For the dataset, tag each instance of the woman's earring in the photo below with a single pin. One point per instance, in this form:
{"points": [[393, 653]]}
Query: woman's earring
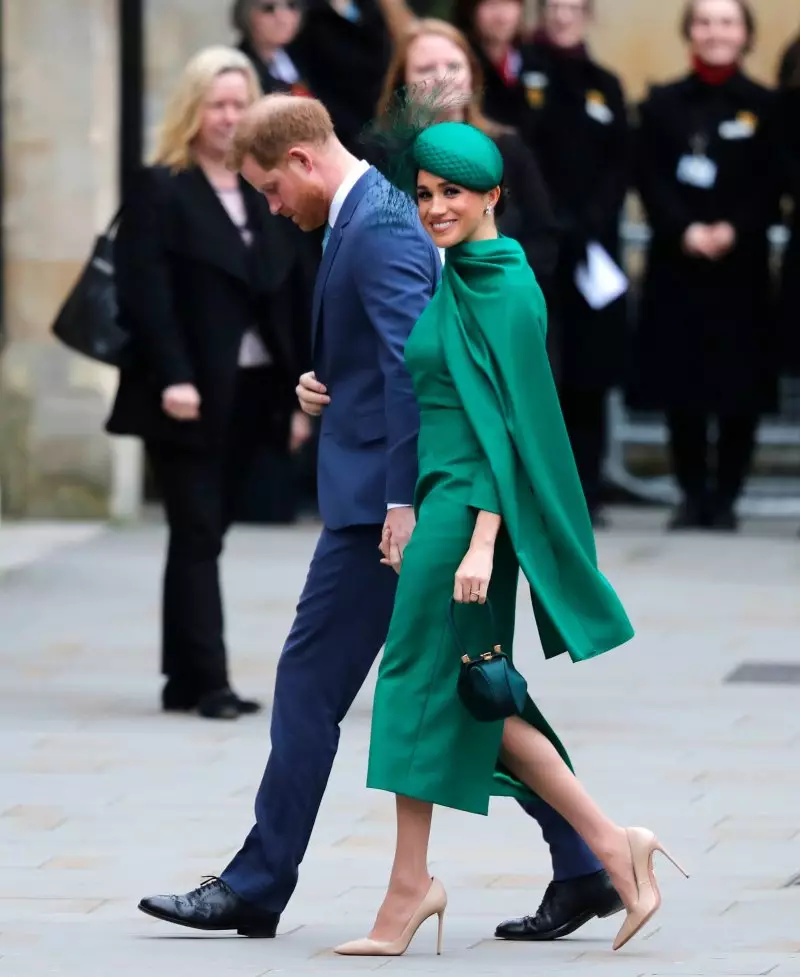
{"points": [[489, 210]]}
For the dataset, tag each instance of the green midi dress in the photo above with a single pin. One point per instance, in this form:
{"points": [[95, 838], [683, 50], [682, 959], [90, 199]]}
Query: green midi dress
{"points": [[491, 438]]}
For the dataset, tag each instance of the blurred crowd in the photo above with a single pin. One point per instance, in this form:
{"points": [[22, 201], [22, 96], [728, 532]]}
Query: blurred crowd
{"points": [[216, 291]]}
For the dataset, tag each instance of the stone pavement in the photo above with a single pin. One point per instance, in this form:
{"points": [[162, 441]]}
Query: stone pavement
{"points": [[103, 799]]}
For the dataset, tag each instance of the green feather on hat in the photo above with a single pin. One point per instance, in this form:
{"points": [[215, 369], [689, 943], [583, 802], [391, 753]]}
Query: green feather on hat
{"points": [[408, 138]]}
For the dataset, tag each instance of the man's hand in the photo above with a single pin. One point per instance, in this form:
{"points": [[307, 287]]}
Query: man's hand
{"points": [[181, 401], [299, 432], [397, 531], [312, 394]]}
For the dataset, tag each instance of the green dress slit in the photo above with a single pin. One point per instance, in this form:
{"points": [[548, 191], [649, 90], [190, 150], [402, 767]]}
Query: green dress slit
{"points": [[491, 438]]}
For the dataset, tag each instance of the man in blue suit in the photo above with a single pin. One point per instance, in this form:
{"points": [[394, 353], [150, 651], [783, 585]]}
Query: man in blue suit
{"points": [[379, 270]]}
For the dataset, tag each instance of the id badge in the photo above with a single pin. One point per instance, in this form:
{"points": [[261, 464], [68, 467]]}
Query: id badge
{"points": [[697, 171]]}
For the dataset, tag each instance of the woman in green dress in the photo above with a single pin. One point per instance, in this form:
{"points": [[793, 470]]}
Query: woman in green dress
{"points": [[498, 491]]}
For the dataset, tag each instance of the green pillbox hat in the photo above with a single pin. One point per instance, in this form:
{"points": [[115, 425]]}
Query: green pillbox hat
{"points": [[460, 153]]}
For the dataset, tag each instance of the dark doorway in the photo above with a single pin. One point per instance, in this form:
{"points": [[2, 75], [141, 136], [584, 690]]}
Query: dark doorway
{"points": [[131, 115]]}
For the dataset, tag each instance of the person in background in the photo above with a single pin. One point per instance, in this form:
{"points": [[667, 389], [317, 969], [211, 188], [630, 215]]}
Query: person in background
{"points": [[572, 113], [268, 31], [789, 65], [434, 51], [708, 180], [336, 50], [216, 300], [789, 287]]}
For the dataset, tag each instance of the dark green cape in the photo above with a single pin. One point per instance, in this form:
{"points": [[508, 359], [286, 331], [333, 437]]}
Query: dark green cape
{"points": [[494, 322]]}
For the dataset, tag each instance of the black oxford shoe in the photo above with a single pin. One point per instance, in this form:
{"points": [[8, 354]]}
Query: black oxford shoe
{"points": [[565, 908], [214, 906]]}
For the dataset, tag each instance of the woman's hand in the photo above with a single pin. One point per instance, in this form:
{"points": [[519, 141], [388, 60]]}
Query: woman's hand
{"points": [[299, 432], [474, 574], [182, 402]]}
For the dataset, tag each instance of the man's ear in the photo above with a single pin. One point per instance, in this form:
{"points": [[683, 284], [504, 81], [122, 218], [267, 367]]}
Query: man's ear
{"points": [[301, 156]]}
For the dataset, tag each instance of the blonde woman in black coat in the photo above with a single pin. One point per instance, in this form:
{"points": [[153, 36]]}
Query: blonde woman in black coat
{"points": [[212, 289]]}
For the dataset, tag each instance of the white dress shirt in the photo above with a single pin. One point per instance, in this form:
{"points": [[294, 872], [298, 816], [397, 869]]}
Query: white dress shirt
{"points": [[351, 179]]}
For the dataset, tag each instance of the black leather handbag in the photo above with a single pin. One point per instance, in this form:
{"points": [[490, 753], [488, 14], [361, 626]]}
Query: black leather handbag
{"points": [[87, 321], [489, 686]]}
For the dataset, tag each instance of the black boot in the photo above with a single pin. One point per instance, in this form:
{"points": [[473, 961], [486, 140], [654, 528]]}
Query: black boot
{"points": [[723, 514], [222, 704], [565, 908], [725, 519], [692, 513], [213, 906]]}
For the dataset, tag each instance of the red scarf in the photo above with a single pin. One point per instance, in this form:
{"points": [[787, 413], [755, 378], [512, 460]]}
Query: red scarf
{"points": [[713, 74], [505, 68]]}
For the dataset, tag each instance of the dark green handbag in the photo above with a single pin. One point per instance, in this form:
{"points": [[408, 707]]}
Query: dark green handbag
{"points": [[489, 686]]}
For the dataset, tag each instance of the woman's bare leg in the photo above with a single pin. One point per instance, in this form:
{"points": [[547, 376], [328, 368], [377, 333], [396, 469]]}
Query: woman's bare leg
{"points": [[533, 759], [410, 878]]}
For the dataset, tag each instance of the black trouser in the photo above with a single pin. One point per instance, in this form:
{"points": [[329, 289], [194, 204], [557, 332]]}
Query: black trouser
{"points": [[199, 490], [585, 416], [701, 482]]}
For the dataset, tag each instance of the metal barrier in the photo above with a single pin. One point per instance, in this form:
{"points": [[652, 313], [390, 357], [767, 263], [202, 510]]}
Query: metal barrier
{"points": [[769, 496]]}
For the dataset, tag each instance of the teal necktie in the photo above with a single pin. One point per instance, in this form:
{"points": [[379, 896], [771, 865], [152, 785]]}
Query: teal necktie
{"points": [[326, 237]]}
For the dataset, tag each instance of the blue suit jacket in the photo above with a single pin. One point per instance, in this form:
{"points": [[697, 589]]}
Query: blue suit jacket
{"points": [[378, 273]]}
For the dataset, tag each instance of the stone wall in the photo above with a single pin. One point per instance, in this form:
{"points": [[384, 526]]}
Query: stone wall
{"points": [[175, 30], [60, 63]]}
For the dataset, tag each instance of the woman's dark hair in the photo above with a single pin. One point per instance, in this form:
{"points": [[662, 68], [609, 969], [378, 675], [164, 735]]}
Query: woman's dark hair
{"points": [[502, 200], [748, 14], [464, 16], [240, 16]]}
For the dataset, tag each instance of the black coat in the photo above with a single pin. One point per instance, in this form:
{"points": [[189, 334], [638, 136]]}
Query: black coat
{"points": [[705, 333], [789, 301], [345, 63], [270, 84], [189, 288], [528, 214], [789, 66], [572, 113]]}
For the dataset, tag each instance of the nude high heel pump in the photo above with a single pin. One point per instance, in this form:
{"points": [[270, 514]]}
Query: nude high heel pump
{"points": [[434, 904], [643, 845]]}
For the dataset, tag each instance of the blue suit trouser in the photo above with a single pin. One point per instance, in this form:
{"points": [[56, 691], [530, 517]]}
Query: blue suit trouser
{"points": [[341, 624]]}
